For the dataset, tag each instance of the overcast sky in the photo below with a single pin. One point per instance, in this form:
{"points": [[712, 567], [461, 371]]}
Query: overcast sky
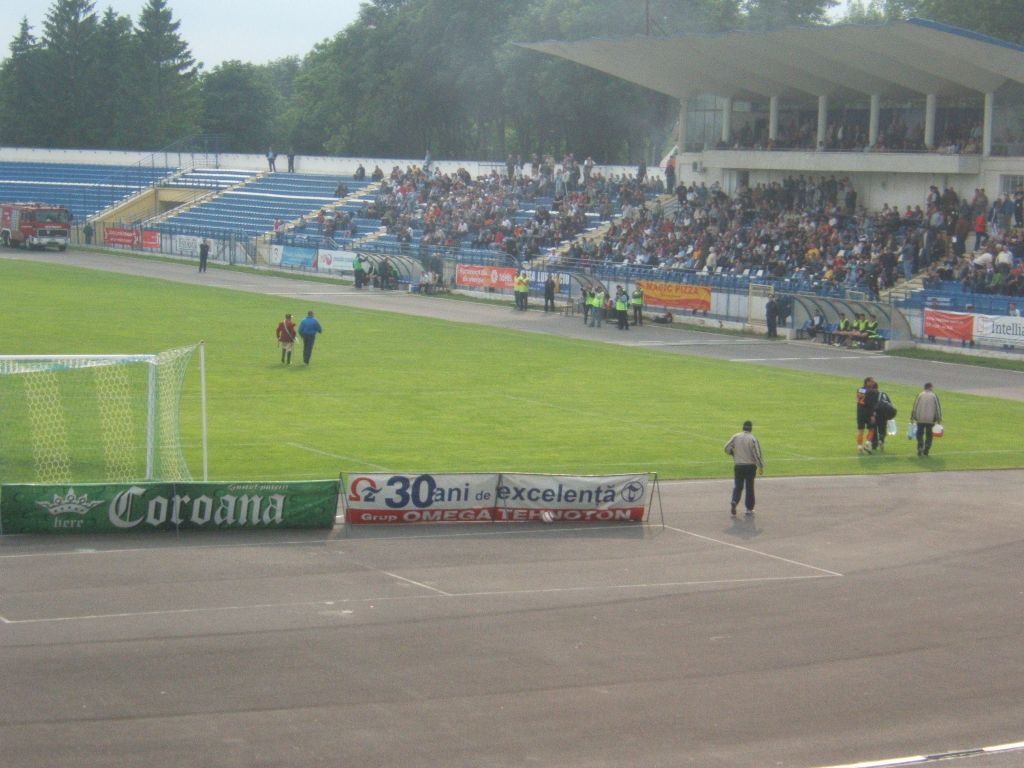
{"points": [[218, 30]]}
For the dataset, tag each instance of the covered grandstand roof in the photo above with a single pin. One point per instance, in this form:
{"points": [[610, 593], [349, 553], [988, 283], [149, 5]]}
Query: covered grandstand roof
{"points": [[895, 60]]}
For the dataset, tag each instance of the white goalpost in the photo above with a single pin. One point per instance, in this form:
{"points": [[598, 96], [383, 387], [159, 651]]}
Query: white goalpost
{"points": [[96, 418]]}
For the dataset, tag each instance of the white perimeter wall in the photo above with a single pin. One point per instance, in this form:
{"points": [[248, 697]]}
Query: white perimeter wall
{"points": [[342, 166]]}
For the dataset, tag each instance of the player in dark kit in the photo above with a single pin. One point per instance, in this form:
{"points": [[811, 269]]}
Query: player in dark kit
{"points": [[867, 400]]}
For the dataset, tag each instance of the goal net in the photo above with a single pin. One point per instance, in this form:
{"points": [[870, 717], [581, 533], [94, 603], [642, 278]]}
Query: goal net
{"points": [[94, 418]]}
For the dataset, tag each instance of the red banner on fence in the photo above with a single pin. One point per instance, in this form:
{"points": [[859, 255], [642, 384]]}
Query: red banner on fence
{"points": [[948, 325], [676, 295], [123, 237], [474, 276], [132, 238]]}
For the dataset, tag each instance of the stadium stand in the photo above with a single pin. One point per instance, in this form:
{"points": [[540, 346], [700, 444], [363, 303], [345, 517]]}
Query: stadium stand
{"points": [[801, 235], [259, 205], [210, 178], [83, 189], [494, 217]]}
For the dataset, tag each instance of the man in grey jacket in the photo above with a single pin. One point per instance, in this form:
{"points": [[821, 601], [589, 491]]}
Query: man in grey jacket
{"points": [[927, 412], [746, 454]]}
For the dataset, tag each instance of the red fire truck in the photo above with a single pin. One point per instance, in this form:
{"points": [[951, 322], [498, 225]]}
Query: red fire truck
{"points": [[34, 225]]}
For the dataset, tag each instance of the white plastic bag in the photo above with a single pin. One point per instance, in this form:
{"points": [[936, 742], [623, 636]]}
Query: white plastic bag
{"points": [[912, 430], [891, 427], [938, 431]]}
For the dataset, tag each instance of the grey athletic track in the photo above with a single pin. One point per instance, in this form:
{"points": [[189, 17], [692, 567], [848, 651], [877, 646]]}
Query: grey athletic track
{"points": [[852, 619]]}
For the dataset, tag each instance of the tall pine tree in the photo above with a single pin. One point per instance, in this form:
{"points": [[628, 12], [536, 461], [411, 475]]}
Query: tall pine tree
{"points": [[18, 90], [69, 72], [113, 100], [166, 93]]}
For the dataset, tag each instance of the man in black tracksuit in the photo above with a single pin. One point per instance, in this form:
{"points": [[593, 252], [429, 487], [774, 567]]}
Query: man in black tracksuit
{"points": [[746, 454]]}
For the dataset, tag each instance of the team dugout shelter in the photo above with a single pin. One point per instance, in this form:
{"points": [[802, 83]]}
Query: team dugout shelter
{"points": [[895, 107]]}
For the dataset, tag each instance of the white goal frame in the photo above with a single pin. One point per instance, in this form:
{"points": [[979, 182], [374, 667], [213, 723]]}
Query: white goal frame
{"points": [[88, 361]]}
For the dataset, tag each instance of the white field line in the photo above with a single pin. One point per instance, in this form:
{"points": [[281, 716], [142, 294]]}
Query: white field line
{"points": [[651, 585], [777, 359], [311, 449], [885, 763], [537, 531], [414, 583], [936, 758], [435, 595], [753, 551], [1014, 747]]}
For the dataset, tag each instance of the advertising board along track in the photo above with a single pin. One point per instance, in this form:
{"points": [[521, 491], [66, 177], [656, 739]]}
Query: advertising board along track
{"points": [[497, 497]]}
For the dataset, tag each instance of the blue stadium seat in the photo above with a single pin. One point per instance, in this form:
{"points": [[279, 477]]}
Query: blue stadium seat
{"points": [[82, 188]]}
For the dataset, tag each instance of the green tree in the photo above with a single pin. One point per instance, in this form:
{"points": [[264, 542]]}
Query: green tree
{"points": [[776, 14], [166, 79], [1003, 19], [68, 74], [238, 102], [875, 11], [281, 76], [112, 100], [19, 90]]}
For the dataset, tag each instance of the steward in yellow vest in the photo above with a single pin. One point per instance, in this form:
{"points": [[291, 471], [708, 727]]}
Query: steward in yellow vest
{"points": [[597, 308], [638, 305], [622, 309]]}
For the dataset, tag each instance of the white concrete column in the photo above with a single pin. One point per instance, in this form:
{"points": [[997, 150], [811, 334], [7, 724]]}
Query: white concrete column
{"points": [[822, 120], [873, 115], [681, 128], [929, 120], [773, 117], [986, 129], [727, 121]]}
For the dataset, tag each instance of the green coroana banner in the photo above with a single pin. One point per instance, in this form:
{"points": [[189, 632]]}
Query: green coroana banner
{"points": [[102, 508]]}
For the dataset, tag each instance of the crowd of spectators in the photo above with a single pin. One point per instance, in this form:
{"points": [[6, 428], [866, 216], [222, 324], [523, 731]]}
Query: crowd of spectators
{"points": [[427, 209], [808, 231], [980, 244], [812, 233], [850, 134]]}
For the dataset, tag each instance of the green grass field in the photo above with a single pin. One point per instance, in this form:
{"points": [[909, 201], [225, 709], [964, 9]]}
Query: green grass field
{"points": [[390, 392]]}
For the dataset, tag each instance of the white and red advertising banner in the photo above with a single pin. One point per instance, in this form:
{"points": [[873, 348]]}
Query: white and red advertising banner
{"points": [[476, 276], [999, 329], [124, 237], [967, 326], [132, 238], [116, 236], [948, 325], [335, 261], [495, 498]]}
